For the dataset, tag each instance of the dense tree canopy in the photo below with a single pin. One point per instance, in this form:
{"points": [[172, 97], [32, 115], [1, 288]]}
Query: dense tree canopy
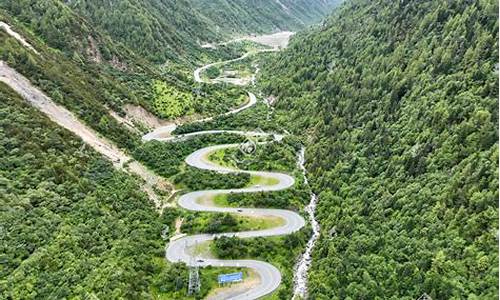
{"points": [[400, 105], [71, 225]]}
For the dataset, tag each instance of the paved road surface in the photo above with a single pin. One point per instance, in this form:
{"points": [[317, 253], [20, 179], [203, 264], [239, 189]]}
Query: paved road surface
{"points": [[178, 250], [164, 133]]}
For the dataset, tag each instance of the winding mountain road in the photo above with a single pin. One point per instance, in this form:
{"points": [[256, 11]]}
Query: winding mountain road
{"points": [[179, 250], [164, 133], [197, 72]]}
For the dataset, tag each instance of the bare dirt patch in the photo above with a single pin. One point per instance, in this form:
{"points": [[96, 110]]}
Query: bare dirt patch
{"points": [[275, 40], [136, 113], [130, 125], [93, 50]]}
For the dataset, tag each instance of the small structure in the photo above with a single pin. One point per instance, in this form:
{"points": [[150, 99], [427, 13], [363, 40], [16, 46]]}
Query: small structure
{"points": [[230, 278]]}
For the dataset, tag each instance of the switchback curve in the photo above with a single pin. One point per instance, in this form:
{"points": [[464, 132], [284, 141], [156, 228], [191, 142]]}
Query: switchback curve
{"points": [[178, 250]]}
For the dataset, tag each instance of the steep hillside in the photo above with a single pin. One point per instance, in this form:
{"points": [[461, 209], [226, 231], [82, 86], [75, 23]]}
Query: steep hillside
{"points": [[245, 16], [74, 226], [60, 28], [71, 224], [160, 30], [399, 105], [137, 33], [173, 30]]}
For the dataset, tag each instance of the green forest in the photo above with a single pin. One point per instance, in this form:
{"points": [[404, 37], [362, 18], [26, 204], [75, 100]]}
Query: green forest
{"points": [[398, 104], [262, 16], [159, 31], [71, 225]]}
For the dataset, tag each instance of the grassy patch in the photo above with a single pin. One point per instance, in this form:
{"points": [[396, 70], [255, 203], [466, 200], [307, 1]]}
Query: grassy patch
{"points": [[250, 278], [221, 158], [221, 200], [169, 102], [202, 250], [259, 223], [261, 180], [225, 222]]}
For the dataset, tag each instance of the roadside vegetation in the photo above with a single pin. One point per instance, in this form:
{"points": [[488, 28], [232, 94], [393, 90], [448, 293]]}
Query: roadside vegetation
{"points": [[258, 117], [282, 252], [212, 72], [194, 223], [167, 158], [169, 102], [172, 284]]}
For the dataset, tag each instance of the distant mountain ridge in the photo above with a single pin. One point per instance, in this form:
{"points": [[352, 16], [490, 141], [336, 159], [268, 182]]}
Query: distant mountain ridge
{"points": [[159, 30], [258, 16]]}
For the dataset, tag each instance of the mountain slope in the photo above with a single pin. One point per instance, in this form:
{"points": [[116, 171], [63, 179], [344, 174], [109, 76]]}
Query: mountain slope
{"points": [[246, 16], [72, 226], [173, 30], [160, 30], [123, 33], [60, 28], [400, 104]]}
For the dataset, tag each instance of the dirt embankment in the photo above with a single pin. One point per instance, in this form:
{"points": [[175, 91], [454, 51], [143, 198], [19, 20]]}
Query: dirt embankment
{"points": [[137, 114], [17, 36]]}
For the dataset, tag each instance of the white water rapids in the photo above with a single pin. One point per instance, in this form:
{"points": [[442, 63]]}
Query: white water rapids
{"points": [[300, 276]]}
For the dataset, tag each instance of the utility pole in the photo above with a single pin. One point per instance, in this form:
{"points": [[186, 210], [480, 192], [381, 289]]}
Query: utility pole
{"points": [[194, 279]]}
